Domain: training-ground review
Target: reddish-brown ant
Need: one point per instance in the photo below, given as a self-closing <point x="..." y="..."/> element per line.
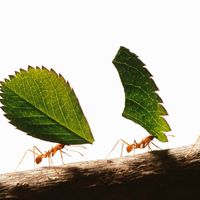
<point x="50" y="153"/>
<point x="47" y="154"/>
<point x="141" y="145"/>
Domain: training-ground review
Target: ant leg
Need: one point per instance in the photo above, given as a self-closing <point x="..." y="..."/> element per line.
<point x="156" y="146"/>
<point x="66" y="153"/>
<point x="79" y="146"/>
<point x="61" y="157"/>
<point x="50" y="161"/>
<point x="149" y="148"/>
<point x="73" y="151"/>
<point x="120" y="140"/>
<point x="29" y="150"/>
<point x="122" y="149"/>
<point x="34" y="147"/>
<point x="134" y="152"/>
<point x="34" y="156"/>
<point x="197" y="142"/>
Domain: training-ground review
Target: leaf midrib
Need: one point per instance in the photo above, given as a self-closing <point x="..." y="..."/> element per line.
<point x="72" y="110"/>
<point x="40" y="110"/>
<point x="154" y="119"/>
<point x="132" y="67"/>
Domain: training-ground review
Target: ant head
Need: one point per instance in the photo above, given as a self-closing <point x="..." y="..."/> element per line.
<point x="150" y="137"/>
<point x="38" y="159"/>
<point x="129" y="148"/>
<point x="60" y="146"/>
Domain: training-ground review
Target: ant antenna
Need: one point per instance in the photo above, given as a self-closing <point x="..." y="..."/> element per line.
<point x="74" y="150"/>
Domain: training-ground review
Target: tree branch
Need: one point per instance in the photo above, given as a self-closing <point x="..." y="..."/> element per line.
<point x="165" y="174"/>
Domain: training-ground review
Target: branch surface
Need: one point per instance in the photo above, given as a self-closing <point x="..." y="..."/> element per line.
<point x="163" y="174"/>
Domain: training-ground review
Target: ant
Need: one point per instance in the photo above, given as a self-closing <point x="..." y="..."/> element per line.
<point x="50" y="153"/>
<point x="141" y="145"/>
<point x="47" y="154"/>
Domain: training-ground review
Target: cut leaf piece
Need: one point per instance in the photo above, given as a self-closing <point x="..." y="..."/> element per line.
<point x="42" y="104"/>
<point x="142" y="103"/>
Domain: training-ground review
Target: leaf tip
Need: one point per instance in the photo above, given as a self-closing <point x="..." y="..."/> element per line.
<point x="6" y="80"/>
<point x="22" y="71"/>
<point x="63" y="79"/>
<point x="53" y="72"/>
<point x="162" y="137"/>
<point x="11" y="77"/>
<point x="44" y="68"/>
<point x="30" y="67"/>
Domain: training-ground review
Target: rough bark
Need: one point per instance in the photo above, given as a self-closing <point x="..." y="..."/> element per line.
<point x="165" y="174"/>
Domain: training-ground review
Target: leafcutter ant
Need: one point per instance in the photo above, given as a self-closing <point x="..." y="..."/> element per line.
<point x="38" y="156"/>
<point x="136" y="145"/>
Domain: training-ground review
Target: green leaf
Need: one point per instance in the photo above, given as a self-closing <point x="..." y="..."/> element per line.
<point x="142" y="103"/>
<point x="42" y="104"/>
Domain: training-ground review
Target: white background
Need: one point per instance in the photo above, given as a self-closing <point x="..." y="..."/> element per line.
<point x="79" y="39"/>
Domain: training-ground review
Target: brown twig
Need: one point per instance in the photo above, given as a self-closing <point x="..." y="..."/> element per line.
<point x="163" y="174"/>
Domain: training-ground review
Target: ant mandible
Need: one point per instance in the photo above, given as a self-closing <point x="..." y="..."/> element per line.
<point x="141" y="145"/>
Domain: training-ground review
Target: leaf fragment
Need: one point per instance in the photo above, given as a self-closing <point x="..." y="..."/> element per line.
<point x="41" y="103"/>
<point x="142" y="103"/>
